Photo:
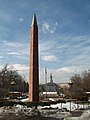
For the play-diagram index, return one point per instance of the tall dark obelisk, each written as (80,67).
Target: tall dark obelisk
(34,63)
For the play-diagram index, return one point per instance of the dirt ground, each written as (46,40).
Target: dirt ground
(14,117)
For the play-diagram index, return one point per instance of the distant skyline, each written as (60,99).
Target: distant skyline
(64,36)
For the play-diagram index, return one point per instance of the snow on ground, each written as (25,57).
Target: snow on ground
(20,109)
(84,116)
(67,105)
(25,100)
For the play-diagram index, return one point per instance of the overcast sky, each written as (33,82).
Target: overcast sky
(64,36)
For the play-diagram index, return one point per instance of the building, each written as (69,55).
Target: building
(49,87)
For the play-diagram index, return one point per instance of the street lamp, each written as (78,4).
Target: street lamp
(61,96)
(13,84)
(70,84)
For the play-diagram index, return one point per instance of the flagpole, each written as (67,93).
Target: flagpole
(46,81)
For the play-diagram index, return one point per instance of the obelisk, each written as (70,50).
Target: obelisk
(34,63)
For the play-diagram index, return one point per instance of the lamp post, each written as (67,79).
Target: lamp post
(70,84)
(13,84)
(61,96)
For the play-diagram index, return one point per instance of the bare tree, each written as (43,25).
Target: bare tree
(7,75)
(81,84)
